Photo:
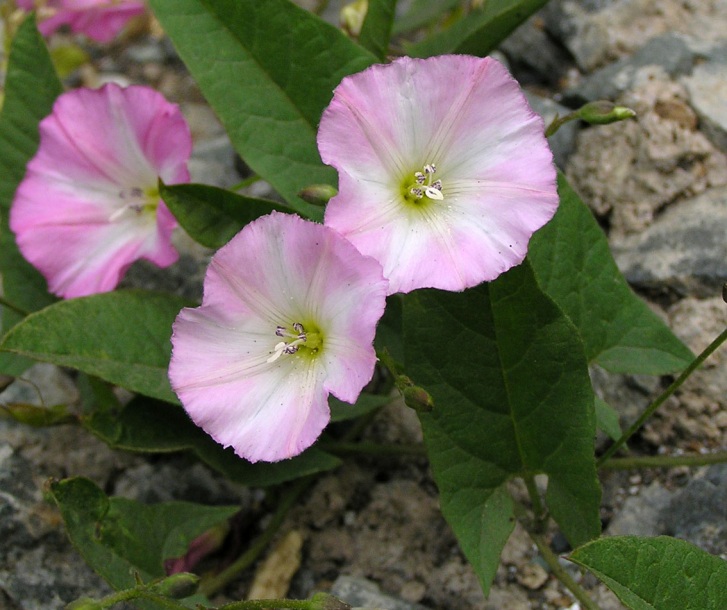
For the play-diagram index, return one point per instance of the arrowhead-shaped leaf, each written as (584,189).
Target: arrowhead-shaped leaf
(268,69)
(573,264)
(118,537)
(212,216)
(376,28)
(480,31)
(31,87)
(147,425)
(657,573)
(512,398)
(122,337)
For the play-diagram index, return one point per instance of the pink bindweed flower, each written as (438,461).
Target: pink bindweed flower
(288,316)
(444,172)
(100,20)
(89,204)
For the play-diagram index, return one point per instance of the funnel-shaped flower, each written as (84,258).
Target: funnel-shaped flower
(288,316)
(100,20)
(444,172)
(89,206)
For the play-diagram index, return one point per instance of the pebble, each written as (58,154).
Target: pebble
(684,250)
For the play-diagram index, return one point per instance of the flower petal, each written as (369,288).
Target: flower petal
(278,271)
(100,20)
(467,116)
(75,215)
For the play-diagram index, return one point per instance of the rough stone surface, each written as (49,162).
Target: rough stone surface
(671,52)
(597,33)
(362,593)
(707,88)
(698,513)
(641,515)
(685,249)
(629,172)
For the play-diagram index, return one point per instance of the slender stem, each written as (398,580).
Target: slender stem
(219,581)
(246,182)
(665,461)
(263,604)
(561,573)
(140,592)
(539,512)
(369,448)
(648,412)
(5,303)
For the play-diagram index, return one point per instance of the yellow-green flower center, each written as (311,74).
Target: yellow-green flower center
(423,188)
(136,201)
(297,340)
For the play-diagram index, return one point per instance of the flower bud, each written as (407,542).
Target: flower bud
(603,112)
(177,586)
(326,601)
(317,194)
(352,17)
(418,399)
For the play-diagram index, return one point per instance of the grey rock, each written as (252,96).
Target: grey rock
(707,88)
(563,143)
(642,515)
(362,593)
(684,249)
(534,56)
(570,21)
(670,51)
(698,513)
(39,569)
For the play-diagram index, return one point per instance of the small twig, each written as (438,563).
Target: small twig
(648,412)
(665,461)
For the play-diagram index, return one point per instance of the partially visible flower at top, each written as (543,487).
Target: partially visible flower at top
(100,20)
(288,316)
(443,170)
(89,204)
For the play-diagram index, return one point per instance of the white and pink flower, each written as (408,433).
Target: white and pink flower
(288,317)
(100,20)
(444,171)
(89,204)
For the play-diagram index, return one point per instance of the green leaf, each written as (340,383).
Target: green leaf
(512,398)
(122,337)
(146,425)
(573,264)
(268,69)
(376,28)
(421,13)
(31,87)
(212,216)
(657,573)
(607,419)
(117,536)
(480,31)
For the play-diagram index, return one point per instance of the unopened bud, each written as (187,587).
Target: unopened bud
(177,586)
(317,194)
(418,399)
(352,17)
(603,112)
(326,601)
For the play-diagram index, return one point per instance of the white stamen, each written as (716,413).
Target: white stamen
(433,193)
